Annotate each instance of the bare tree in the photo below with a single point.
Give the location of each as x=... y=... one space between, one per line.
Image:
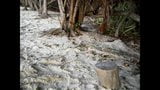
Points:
x=72 y=13
x=40 y=7
x=62 y=6
x=105 y=24
x=44 y=9
x=34 y=2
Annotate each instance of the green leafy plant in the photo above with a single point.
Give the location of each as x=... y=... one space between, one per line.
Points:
x=98 y=21
x=126 y=26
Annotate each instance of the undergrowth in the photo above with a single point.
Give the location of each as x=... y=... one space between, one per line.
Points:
x=128 y=29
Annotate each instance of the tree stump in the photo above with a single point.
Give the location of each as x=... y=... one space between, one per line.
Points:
x=108 y=75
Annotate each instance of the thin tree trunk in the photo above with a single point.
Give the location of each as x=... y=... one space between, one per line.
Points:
x=61 y=7
x=104 y=26
x=40 y=7
x=34 y=4
x=62 y=13
x=76 y=21
x=71 y=25
x=25 y=3
x=51 y=2
x=30 y=4
x=80 y=16
x=64 y=18
x=44 y=11
x=75 y=11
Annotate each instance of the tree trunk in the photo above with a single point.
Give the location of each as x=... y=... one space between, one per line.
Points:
x=61 y=7
x=44 y=11
x=80 y=16
x=62 y=13
x=30 y=4
x=75 y=16
x=35 y=5
x=75 y=11
x=104 y=26
x=26 y=4
x=71 y=24
x=108 y=75
x=40 y=7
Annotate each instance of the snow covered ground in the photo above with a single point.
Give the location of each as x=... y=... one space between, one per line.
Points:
x=57 y=63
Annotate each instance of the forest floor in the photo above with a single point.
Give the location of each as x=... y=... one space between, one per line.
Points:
x=54 y=62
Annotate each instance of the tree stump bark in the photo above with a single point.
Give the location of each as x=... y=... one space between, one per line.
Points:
x=108 y=75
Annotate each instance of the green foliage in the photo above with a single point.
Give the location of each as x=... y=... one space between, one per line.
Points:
x=125 y=6
x=128 y=29
x=77 y=24
x=98 y=20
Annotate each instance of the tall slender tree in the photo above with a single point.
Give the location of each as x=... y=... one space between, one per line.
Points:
x=105 y=24
x=44 y=10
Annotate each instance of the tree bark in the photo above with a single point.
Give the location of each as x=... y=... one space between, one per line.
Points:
x=40 y=7
x=35 y=5
x=80 y=15
x=44 y=10
x=62 y=13
x=26 y=4
x=71 y=24
x=75 y=11
x=61 y=7
x=30 y=4
x=105 y=24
